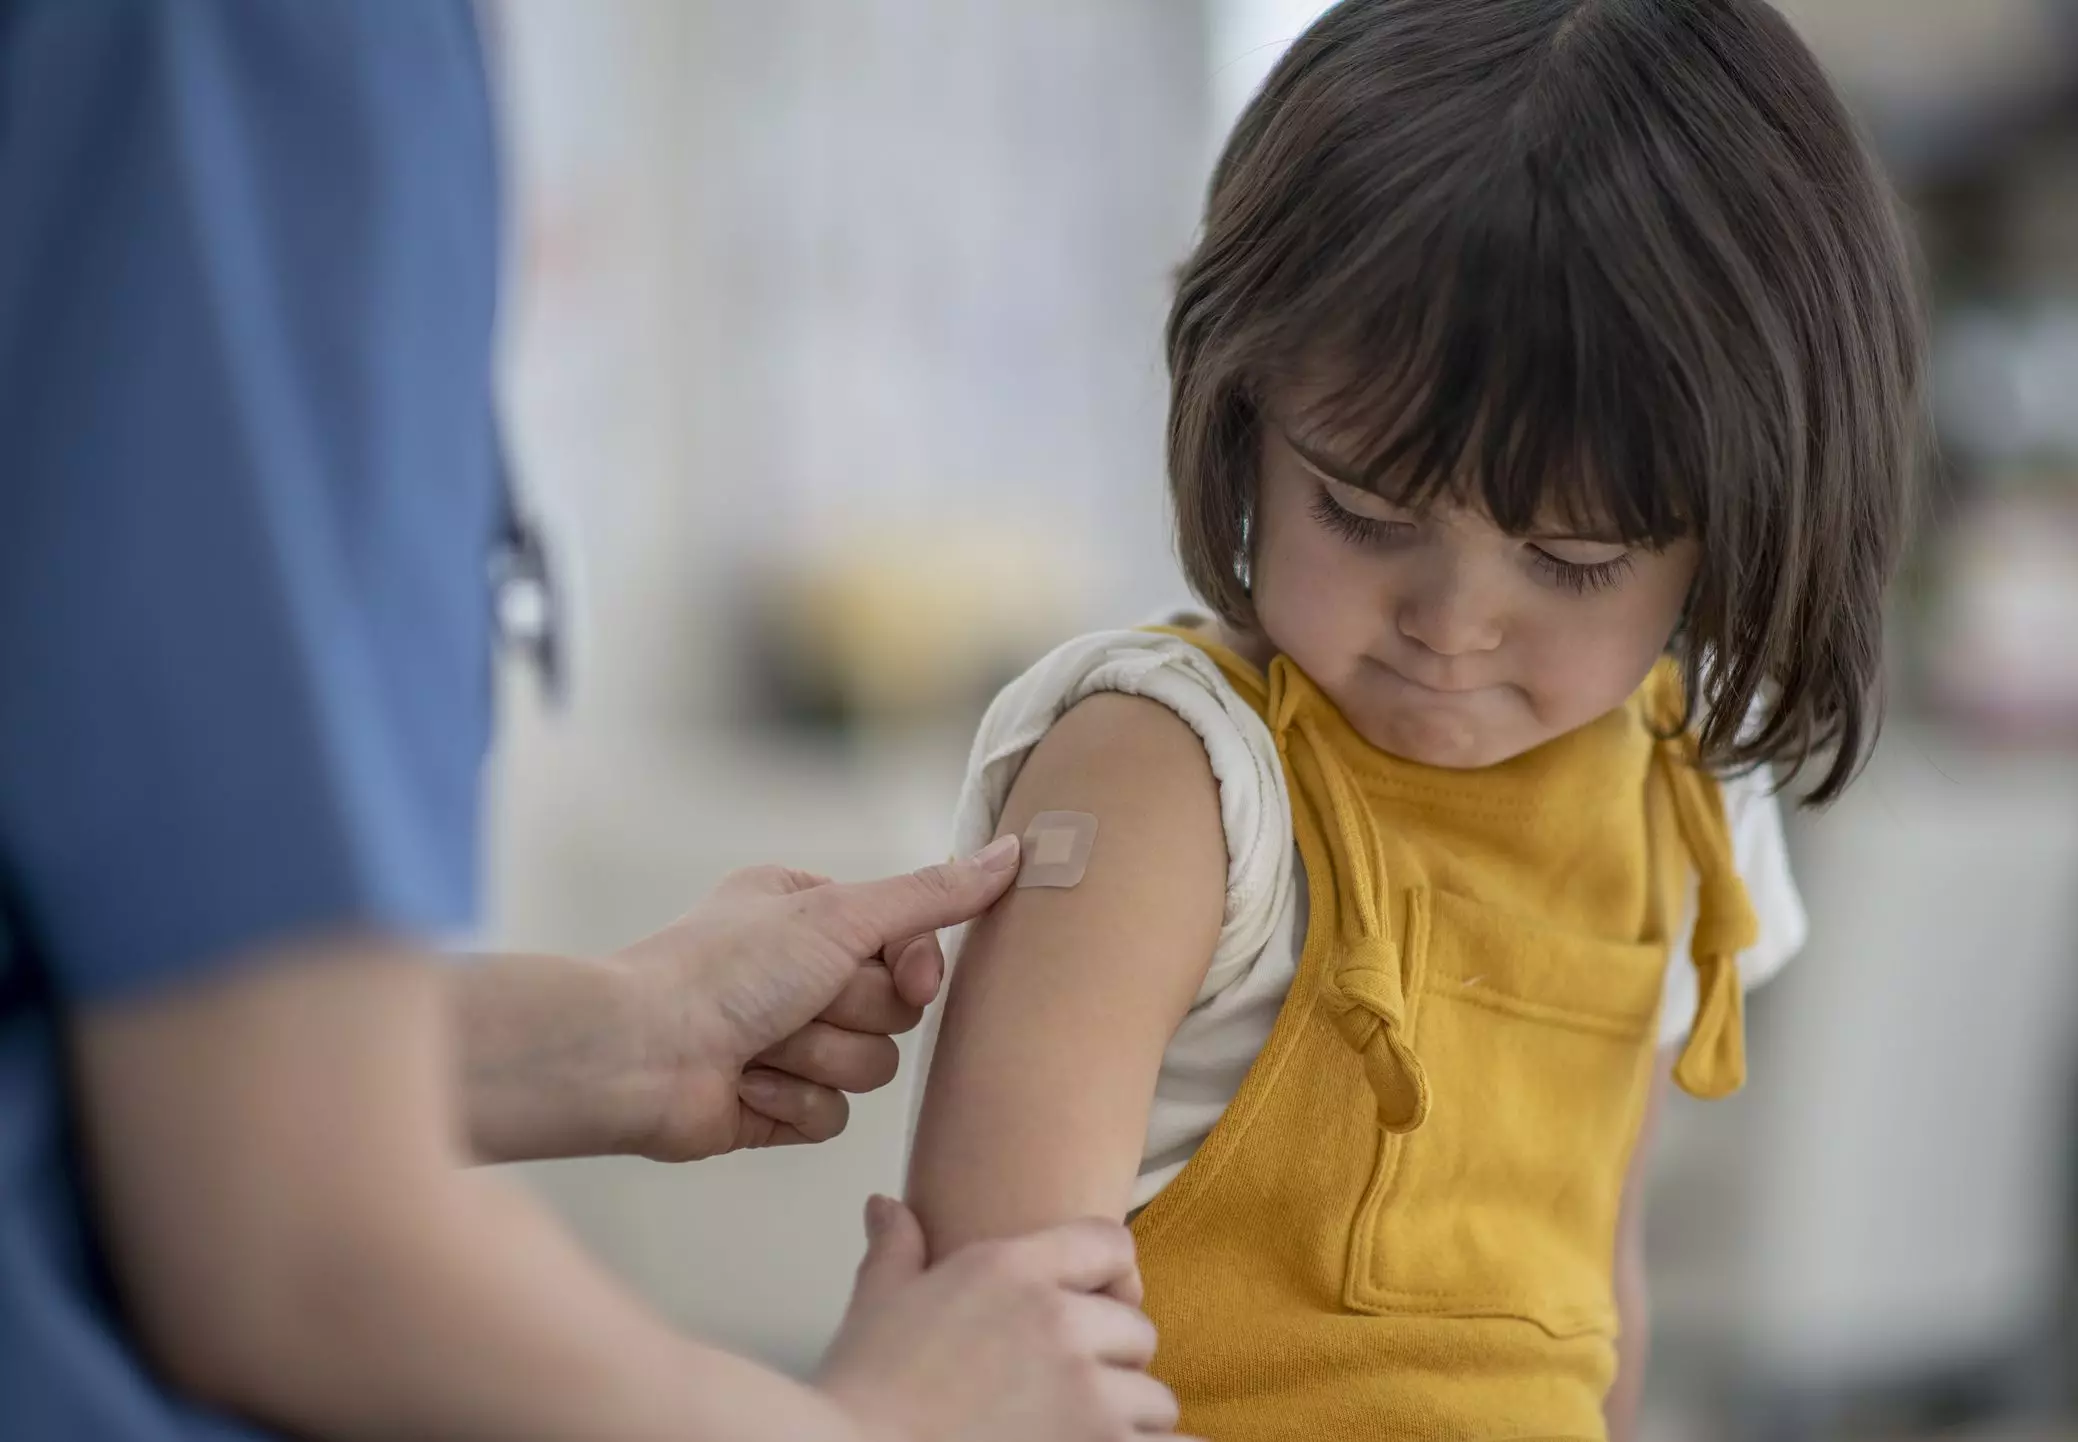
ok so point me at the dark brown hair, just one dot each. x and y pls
(1624, 258)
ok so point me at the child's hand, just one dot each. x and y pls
(755, 1013)
(1032, 1340)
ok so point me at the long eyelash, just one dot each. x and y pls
(1579, 578)
(1360, 530)
(1573, 576)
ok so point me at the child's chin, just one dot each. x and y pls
(1437, 737)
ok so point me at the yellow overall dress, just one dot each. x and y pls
(1404, 1224)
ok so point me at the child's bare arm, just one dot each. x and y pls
(1633, 1299)
(1064, 999)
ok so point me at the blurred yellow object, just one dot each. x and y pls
(906, 624)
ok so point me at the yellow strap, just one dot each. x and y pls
(1713, 1063)
(1371, 1015)
(1368, 992)
(1252, 685)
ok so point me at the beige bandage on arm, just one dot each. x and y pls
(1057, 848)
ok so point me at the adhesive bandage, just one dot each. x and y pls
(1057, 848)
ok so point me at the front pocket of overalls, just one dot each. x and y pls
(1537, 1046)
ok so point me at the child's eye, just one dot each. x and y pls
(1356, 529)
(1581, 577)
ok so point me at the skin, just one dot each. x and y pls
(1442, 638)
(1445, 641)
(276, 1157)
(715, 1034)
(1064, 999)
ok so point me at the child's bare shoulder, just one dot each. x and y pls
(1134, 764)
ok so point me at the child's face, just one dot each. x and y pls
(1443, 639)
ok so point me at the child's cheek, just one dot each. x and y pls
(1321, 601)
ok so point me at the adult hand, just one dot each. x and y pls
(1033, 1340)
(782, 991)
(741, 1024)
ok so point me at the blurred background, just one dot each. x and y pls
(832, 364)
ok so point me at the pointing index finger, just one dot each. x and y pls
(868, 916)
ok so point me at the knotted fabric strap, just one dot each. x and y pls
(1713, 1063)
(1367, 996)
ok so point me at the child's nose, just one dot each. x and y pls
(1447, 614)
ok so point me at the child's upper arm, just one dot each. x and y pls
(1064, 999)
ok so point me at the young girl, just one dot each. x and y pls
(1545, 401)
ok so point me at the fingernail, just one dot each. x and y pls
(998, 855)
(760, 1088)
(876, 1216)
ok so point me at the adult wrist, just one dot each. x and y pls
(556, 1057)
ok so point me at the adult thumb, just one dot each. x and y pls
(874, 914)
(894, 1250)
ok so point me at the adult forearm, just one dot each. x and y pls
(472, 1315)
(274, 1164)
(550, 1059)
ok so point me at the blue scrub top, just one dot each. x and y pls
(249, 491)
